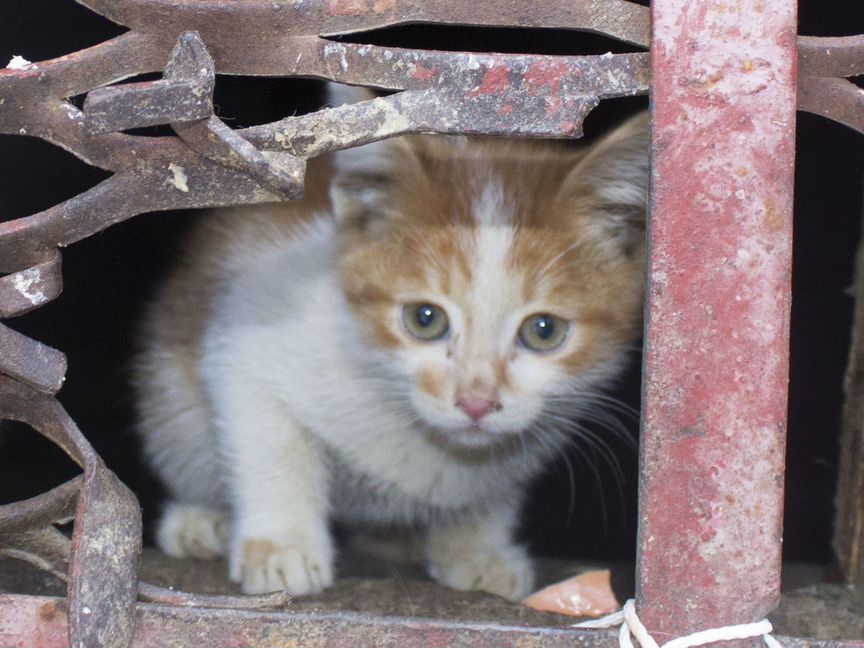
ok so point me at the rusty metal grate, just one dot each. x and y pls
(208, 164)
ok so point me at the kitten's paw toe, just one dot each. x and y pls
(505, 571)
(265, 566)
(191, 531)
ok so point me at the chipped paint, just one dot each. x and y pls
(717, 325)
(496, 78)
(337, 50)
(421, 73)
(346, 7)
(544, 77)
(179, 179)
(24, 282)
(19, 63)
(383, 6)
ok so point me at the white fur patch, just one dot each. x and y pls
(491, 207)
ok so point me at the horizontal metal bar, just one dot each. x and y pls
(835, 98)
(41, 621)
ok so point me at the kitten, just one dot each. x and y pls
(399, 347)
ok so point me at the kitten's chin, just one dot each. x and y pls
(474, 436)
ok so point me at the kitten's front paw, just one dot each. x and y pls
(264, 566)
(192, 531)
(505, 571)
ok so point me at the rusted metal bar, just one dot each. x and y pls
(504, 94)
(106, 539)
(717, 329)
(27, 529)
(848, 540)
(271, 21)
(822, 90)
(31, 362)
(835, 56)
(23, 291)
(185, 94)
(181, 627)
(40, 621)
(834, 98)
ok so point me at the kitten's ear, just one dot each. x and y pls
(368, 178)
(611, 182)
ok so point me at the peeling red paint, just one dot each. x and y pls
(716, 364)
(346, 7)
(545, 77)
(382, 6)
(495, 80)
(422, 73)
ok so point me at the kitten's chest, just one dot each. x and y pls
(393, 473)
(414, 492)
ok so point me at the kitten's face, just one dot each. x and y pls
(497, 279)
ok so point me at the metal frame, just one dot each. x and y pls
(711, 463)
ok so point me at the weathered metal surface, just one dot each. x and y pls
(27, 530)
(834, 98)
(266, 22)
(168, 627)
(822, 62)
(184, 94)
(717, 329)
(40, 621)
(106, 539)
(848, 539)
(209, 164)
(31, 362)
(836, 56)
(505, 94)
(28, 289)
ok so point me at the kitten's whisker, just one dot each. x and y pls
(593, 439)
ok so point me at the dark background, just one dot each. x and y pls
(580, 509)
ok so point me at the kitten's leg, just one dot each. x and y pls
(478, 553)
(192, 531)
(280, 539)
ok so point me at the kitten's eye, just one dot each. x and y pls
(425, 321)
(543, 332)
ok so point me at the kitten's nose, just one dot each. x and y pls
(477, 408)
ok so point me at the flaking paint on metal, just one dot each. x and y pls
(716, 363)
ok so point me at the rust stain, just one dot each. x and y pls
(773, 219)
(47, 611)
(382, 6)
(346, 7)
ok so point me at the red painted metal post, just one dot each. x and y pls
(716, 362)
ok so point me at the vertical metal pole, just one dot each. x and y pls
(717, 327)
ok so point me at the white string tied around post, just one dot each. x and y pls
(632, 625)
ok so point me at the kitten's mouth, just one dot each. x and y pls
(476, 434)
